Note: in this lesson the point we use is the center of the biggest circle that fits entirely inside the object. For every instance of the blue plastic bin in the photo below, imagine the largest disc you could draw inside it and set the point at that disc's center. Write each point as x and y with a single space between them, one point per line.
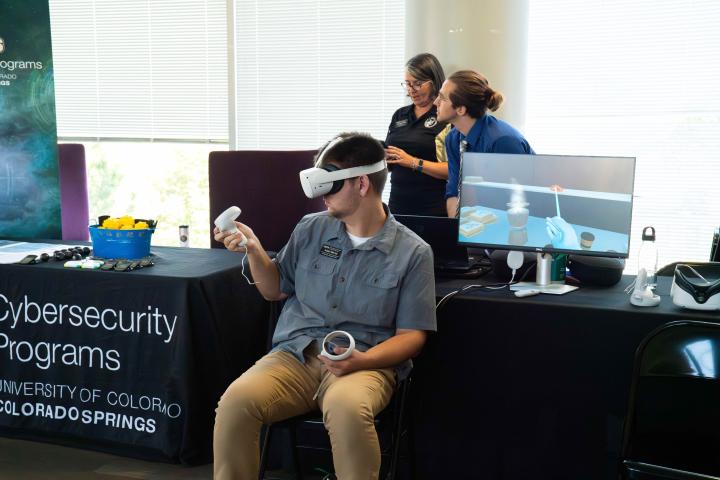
111 243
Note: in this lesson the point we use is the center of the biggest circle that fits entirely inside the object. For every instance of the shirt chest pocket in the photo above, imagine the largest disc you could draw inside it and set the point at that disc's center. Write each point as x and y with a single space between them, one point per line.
314 282
378 292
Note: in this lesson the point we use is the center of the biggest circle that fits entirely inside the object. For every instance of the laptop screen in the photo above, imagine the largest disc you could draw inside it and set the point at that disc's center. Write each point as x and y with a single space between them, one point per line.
441 234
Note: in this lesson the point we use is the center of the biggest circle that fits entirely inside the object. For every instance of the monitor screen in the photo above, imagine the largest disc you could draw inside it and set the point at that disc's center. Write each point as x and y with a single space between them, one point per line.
547 203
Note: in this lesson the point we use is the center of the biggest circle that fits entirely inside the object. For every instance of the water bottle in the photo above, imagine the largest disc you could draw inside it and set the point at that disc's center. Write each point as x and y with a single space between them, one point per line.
184 234
649 256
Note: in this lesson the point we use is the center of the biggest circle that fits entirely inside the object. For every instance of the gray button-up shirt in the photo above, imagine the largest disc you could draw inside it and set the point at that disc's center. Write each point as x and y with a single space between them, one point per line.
384 284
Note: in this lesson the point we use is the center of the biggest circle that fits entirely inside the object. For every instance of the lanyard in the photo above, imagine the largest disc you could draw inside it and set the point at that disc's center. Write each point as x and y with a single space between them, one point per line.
463 147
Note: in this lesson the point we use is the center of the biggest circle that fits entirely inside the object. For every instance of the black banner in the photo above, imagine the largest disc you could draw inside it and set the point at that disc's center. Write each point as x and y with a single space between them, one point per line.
133 360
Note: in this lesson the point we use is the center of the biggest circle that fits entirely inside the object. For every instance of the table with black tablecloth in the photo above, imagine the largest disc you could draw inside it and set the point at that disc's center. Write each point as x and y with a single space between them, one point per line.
127 362
530 388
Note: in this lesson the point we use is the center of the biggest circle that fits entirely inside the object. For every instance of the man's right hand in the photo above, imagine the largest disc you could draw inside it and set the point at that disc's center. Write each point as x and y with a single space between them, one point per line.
232 241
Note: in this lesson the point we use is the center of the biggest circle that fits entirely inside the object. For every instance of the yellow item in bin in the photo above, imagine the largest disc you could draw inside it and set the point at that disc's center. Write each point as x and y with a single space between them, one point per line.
126 222
112 223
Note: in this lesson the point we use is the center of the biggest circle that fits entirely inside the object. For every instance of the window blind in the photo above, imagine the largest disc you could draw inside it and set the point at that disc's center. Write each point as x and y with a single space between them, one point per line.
309 69
141 69
610 77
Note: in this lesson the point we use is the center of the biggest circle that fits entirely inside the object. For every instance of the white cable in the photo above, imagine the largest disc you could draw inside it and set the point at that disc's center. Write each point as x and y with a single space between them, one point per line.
698 274
468 287
242 269
446 296
507 284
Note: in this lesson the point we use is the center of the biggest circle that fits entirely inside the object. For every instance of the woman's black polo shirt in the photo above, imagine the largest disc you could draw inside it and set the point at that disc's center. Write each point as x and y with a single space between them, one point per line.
411 192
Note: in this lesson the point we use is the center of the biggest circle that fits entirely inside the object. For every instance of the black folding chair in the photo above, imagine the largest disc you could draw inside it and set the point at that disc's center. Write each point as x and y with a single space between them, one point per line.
672 430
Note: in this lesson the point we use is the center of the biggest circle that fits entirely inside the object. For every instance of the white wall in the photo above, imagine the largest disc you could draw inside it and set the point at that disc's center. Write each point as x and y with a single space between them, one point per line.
489 36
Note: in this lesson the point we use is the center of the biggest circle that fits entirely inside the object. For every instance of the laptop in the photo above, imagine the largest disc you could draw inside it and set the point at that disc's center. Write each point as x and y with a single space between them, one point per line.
441 233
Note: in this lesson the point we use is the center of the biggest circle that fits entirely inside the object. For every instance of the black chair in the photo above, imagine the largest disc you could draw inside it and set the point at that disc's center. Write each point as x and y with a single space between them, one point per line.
672 430
391 421
74 201
266 186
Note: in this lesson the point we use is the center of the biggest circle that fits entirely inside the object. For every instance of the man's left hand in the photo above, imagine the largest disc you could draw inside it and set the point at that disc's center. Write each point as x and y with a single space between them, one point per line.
356 361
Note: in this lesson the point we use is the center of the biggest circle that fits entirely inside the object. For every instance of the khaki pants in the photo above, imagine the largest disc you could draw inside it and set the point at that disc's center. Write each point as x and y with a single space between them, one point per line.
277 387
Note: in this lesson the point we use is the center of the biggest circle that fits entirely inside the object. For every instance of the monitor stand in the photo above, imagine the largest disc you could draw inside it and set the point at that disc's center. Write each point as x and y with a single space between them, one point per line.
542 279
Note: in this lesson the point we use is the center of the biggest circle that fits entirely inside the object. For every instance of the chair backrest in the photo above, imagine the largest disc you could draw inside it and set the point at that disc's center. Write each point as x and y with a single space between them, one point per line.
266 187
73 191
674 415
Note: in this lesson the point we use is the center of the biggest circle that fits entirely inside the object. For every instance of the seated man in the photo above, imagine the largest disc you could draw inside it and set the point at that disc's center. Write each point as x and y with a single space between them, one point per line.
354 268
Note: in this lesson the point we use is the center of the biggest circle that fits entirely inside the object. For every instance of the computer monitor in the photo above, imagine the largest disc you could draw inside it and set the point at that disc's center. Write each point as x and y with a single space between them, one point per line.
547 203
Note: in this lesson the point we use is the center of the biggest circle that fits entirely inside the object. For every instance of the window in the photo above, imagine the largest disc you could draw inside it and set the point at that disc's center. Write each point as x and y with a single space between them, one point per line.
165 181
141 69
143 84
309 69
635 79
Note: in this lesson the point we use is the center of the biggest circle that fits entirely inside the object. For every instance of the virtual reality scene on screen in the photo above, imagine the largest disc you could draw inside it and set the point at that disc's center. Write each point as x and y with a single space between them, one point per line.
547 202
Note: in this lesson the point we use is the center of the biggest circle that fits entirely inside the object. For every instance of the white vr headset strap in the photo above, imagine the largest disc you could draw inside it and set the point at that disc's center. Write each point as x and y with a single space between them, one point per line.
329 146
346 173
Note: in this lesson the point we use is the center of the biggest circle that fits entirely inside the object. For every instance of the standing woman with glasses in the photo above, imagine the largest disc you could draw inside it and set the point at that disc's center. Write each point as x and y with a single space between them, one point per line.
415 143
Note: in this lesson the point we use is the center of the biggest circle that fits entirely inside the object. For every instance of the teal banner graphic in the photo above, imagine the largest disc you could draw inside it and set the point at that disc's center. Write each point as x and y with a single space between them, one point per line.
29 180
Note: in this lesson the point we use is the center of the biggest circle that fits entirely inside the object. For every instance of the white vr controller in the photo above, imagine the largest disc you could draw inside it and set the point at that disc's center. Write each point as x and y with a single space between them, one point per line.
225 222
329 341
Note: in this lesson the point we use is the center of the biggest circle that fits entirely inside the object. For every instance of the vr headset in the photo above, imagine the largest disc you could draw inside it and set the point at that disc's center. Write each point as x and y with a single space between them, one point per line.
697 287
328 179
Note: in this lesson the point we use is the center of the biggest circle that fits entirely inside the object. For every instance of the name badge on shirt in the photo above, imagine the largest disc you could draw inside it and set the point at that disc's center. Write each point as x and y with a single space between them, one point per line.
401 123
329 251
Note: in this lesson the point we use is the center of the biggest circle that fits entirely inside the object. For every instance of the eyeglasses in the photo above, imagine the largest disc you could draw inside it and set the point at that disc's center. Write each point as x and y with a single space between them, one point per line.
414 85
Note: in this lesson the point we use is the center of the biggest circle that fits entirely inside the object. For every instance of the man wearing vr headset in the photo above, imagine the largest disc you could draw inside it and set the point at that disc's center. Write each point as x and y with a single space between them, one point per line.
353 268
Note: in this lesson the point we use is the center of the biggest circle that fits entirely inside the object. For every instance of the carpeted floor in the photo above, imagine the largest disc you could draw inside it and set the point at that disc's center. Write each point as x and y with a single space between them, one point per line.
23 460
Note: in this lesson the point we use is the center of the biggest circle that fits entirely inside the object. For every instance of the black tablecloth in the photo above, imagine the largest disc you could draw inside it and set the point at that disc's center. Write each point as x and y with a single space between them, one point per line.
128 362
509 388
530 388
